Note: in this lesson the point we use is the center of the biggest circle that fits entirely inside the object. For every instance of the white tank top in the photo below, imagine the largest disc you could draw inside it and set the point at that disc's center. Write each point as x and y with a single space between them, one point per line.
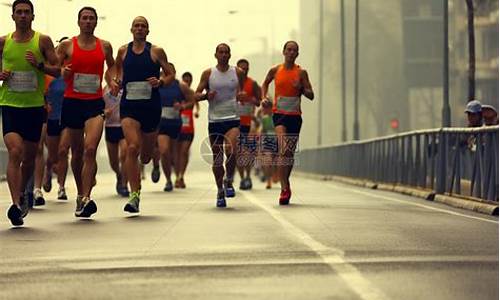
112 103
224 106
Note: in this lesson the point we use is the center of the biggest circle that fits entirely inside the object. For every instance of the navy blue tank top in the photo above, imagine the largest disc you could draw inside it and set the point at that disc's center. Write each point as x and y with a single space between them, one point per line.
139 67
171 94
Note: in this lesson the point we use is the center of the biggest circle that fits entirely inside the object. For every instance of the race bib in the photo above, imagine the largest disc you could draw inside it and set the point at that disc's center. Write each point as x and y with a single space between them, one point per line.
245 109
23 81
170 113
289 104
185 121
86 83
224 109
139 90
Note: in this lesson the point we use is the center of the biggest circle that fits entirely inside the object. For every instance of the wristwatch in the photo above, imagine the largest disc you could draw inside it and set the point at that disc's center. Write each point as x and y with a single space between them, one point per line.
40 66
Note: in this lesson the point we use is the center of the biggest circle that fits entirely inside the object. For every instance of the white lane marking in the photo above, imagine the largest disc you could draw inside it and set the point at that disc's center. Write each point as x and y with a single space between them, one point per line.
336 186
331 256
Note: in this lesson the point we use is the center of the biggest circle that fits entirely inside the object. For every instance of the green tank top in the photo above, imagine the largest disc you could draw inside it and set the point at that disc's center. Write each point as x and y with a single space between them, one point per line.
26 85
267 124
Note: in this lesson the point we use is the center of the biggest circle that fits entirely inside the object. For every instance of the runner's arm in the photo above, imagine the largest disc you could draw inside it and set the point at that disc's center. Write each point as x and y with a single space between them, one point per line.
189 95
306 85
52 66
168 74
265 85
110 63
3 74
203 85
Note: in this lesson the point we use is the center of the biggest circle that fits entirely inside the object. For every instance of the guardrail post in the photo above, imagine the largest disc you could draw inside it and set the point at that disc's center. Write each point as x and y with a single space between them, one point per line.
441 164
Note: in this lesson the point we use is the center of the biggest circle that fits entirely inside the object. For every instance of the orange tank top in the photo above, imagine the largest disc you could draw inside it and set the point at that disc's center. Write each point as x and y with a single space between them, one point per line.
286 96
246 111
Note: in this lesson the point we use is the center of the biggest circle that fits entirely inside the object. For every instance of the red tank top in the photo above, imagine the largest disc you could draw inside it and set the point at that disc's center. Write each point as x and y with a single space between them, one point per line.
187 121
246 120
88 69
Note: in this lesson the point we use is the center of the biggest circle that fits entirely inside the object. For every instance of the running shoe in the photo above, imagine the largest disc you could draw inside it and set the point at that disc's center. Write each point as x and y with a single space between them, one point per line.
61 194
243 185
38 198
221 200
182 184
229 189
155 174
124 191
285 196
88 208
15 215
132 205
249 183
168 187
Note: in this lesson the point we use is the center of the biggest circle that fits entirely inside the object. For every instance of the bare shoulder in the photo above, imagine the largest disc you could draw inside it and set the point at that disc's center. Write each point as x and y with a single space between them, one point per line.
206 73
157 49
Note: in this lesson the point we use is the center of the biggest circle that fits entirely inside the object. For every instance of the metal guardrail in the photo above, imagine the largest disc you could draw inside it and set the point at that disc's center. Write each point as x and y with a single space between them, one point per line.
459 161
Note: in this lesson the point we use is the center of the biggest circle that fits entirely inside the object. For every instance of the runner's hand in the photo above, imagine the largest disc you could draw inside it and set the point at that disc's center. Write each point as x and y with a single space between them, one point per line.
211 95
4 75
30 57
67 71
266 102
242 97
114 88
155 82
177 105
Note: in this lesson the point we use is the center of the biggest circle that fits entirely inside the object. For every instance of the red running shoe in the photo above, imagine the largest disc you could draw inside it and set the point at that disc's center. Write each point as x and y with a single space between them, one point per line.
285 196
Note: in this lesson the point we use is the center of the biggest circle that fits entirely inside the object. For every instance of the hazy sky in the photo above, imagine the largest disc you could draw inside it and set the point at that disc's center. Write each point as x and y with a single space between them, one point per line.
188 30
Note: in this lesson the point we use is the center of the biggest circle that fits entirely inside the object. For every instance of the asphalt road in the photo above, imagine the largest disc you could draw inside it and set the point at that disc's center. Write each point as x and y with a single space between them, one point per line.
333 242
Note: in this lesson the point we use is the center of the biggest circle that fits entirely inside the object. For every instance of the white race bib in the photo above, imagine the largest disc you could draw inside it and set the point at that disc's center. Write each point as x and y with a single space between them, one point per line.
86 83
185 121
289 104
170 113
139 90
23 81
224 109
245 109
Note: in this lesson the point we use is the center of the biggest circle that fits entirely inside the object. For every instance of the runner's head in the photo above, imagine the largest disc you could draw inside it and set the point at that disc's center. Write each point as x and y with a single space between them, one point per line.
172 68
87 19
140 28
187 77
23 13
291 51
244 65
223 54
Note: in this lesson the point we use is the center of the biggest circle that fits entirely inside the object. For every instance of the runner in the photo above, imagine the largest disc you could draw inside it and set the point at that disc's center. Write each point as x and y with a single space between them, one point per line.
246 153
174 98
138 71
223 84
115 140
57 137
186 136
83 106
25 56
291 82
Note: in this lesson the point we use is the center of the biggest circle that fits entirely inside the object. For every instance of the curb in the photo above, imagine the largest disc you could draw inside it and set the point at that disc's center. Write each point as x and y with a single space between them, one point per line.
472 205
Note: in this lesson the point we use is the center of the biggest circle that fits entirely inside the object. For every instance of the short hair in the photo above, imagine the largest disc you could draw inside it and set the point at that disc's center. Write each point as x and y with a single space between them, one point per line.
186 74
22 2
87 8
242 61
146 20
223 44
288 42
